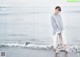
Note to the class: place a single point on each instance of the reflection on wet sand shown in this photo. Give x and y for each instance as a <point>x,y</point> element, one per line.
<point>61,54</point>
<point>57,55</point>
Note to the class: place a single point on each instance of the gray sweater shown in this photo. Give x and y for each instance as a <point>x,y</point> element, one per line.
<point>57,24</point>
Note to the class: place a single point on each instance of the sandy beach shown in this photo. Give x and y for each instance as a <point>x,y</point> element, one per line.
<point>27,52</point>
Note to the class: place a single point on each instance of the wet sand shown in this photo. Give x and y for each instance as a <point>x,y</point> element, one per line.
<point>27,52</point>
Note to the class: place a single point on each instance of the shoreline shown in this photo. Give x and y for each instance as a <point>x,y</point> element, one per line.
<point>72,48</point>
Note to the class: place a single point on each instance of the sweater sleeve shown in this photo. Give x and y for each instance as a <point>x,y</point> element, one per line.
<point>53,21</point>
<point>57,23</point>
<point>54,25</point>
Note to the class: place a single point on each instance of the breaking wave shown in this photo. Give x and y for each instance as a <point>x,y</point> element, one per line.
<point>72,48</point>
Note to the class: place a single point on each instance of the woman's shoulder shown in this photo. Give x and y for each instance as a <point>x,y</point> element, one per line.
<point>53,15</point>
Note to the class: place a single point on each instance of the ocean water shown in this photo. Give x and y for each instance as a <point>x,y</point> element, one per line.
<point>32,22</point>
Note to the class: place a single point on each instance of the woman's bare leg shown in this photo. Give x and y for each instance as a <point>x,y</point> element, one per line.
<point>60,38</point>
<point>58,43</point>
<point>65,45</point>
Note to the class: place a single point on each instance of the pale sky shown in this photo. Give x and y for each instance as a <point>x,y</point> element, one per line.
<point>38,2</point>
<point>42,3</point>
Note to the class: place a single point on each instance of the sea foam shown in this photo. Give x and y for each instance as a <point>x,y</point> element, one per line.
<point>72,48</point>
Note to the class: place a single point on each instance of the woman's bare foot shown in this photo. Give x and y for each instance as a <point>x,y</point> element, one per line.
<point>57,50</point>
<point>66,48</point>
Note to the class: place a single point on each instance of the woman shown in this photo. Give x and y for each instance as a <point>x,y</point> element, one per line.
<point>58,29</point>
